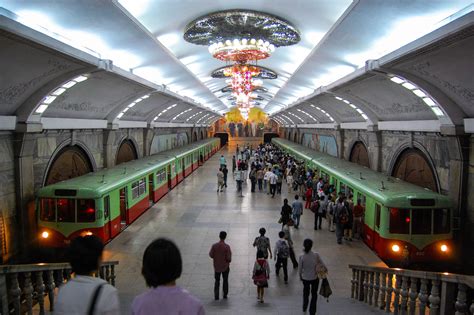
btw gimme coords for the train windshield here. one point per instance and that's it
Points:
(420, 221)
(85, 210)
(66, 210)
(47, 210)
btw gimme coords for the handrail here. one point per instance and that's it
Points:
(29, 284)
(402, 291)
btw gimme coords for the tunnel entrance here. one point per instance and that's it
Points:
(70, 162)
(413, 166)
(359, 154)
(126, 152)
(267, 137)
(223, 136)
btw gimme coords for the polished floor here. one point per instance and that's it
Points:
(193, 214)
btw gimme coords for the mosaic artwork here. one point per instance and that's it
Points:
(167, 142)
(321, 143)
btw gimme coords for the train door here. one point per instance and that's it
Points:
(376, 227)
(123, 207)
(168, 174)
(107, 220)
(183, 169)
(151, 189)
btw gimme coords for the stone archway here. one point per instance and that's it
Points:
(359, 154)
(126, 152)
(69, 162)
(413, 166)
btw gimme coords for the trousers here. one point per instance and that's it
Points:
(225, 284)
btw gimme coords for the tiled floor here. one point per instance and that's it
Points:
(192, 215)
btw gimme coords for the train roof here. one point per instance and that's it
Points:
(96, 184)
(395, 192)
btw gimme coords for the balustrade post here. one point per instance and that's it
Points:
(377, 289)
(461, 300)
(50, 285)
(107, 273)
(434, 298)
(423, 296)
(4, 293)
(404, 294)
(15, 293)
(40, 287)
(357, 284)
(28, 292)
(353, 283)
(371, 287)
(383, 289)
(366, 286)
(413, 295)
(396, 300)
(112, 275)
(389, 291)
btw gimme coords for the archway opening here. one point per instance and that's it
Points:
(195, 136)
(202, 135)
(413, 166)
(295, 137)
(224, 136)
(69, 162)
(267, 137)
(126, 152)
(359, 154)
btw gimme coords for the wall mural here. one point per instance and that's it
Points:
(321, 143)
(236, 125)
(167, 142)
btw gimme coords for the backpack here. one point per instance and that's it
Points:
(343, 215)
(262, 244)
(284, 251)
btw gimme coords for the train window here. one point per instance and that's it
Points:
(377, 215)
(138, 188)
(66, 210)
(47, 210)
(421, 221)
(400, 221)
(85, 210)
(442, 221)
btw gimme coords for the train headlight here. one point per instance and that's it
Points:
(45, 234)
(87, 233)
(444, 248)
(395, 248)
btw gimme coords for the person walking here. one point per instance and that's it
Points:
(162, 266)
(341, 218)
(289, 181)
(330, 212)
(273, 183)
(220, 180)
(260, 275)
(282, 251)
(234, 164)
(285, 212)
(286, 229)
(260, 179)
(222, 161)
(297, 206)
(253, 178)
(311, 265)
(309, 196)
(225, 171)
(222, 256)
(348, 226)
(238, 179)
(315, 209)
(357, 228)
(263, 243)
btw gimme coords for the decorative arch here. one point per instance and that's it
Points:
(415, 166)
(69, 161)
(359, 154)
(126, 152)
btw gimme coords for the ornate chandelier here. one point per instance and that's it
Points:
(242, 77)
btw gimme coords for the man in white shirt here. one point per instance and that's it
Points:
(272, 179)
(84, 292)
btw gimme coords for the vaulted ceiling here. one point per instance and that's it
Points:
(140, 71)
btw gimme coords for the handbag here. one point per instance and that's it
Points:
(325, 290)
(290, 222)
(280, 220)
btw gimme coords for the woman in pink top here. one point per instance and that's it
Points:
(162, 265)
(261, 274)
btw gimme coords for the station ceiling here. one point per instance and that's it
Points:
(341, 72)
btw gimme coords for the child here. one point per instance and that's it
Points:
(260, 275)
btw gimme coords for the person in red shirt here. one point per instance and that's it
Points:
(358, 213)
(222, 256)
(308, 195)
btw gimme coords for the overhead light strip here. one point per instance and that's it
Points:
(357, 109)
(164, 111)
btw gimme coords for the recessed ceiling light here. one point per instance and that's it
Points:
(41, 108)
(397, 80)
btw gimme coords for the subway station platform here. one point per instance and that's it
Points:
(193, 214)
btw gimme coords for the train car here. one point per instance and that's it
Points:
(404, 223)
(105, 202)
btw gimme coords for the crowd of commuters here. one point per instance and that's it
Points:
(266, 167)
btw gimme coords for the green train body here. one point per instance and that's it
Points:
(402, 222)
(105, 202)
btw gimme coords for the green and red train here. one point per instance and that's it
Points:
(403, 222)
(105, 202)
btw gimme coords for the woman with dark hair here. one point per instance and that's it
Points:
(311, 265)
(85, 294)
(260, 275)
(263, 243)
(285, 212)
(162, 265)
